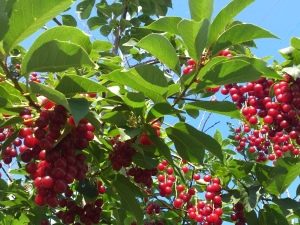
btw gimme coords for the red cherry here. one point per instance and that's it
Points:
(207, 178)
(185, 169)
(196, 177)
(30, 141)
(47, 182)
(178, 203)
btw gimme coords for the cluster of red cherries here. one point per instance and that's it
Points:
(208, 211)
(271, 110)
(238, 216)
(87, 214)
(10, 151)
(54, 159)
(142, 176)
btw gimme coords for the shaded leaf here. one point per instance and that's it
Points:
(73, 84)
(79, 108)
(57, 56)
(190, 143)
(128, 194)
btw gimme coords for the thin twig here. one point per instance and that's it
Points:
(206, 120)
(8, 176)
(57, 22)
(119, 30)
(212, 126)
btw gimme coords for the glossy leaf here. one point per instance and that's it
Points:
(228, 72)
(194, 35)
(190, 143)
(27, 16)
(56, 56)
(240, 33)
(73, 84)
(147, 79)
(225, 17)
(161, 48)
(61, 34)
(224, 108)
(201, 9)
(165, 24)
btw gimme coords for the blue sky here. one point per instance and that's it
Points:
(278, 16)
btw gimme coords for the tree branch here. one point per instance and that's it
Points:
(18, 87)
(8, 176)
(119, 30)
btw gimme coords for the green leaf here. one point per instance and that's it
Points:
(239, 169)
(85, 8)
(295, 42)
(102, 45)
(201, 9)
(190, 143)
(61, 34)
(27, 16)
(251, 218)
(79, 108)
(73, 84)
(228, 72)
(224, 108)
(225, 17)
(194, 35)
(161, 109)
(11, 121)
(56, 56)
(161, 48)
(105, 30)
(277, 179)
(128, 194)
(69, 20)
(240, 33)
(134, 100)
(272, 213)
(87, 189)
(165, 24)
(146, 79)
(96, 22)
(261, 66)
(50, 93)
(287, 205)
